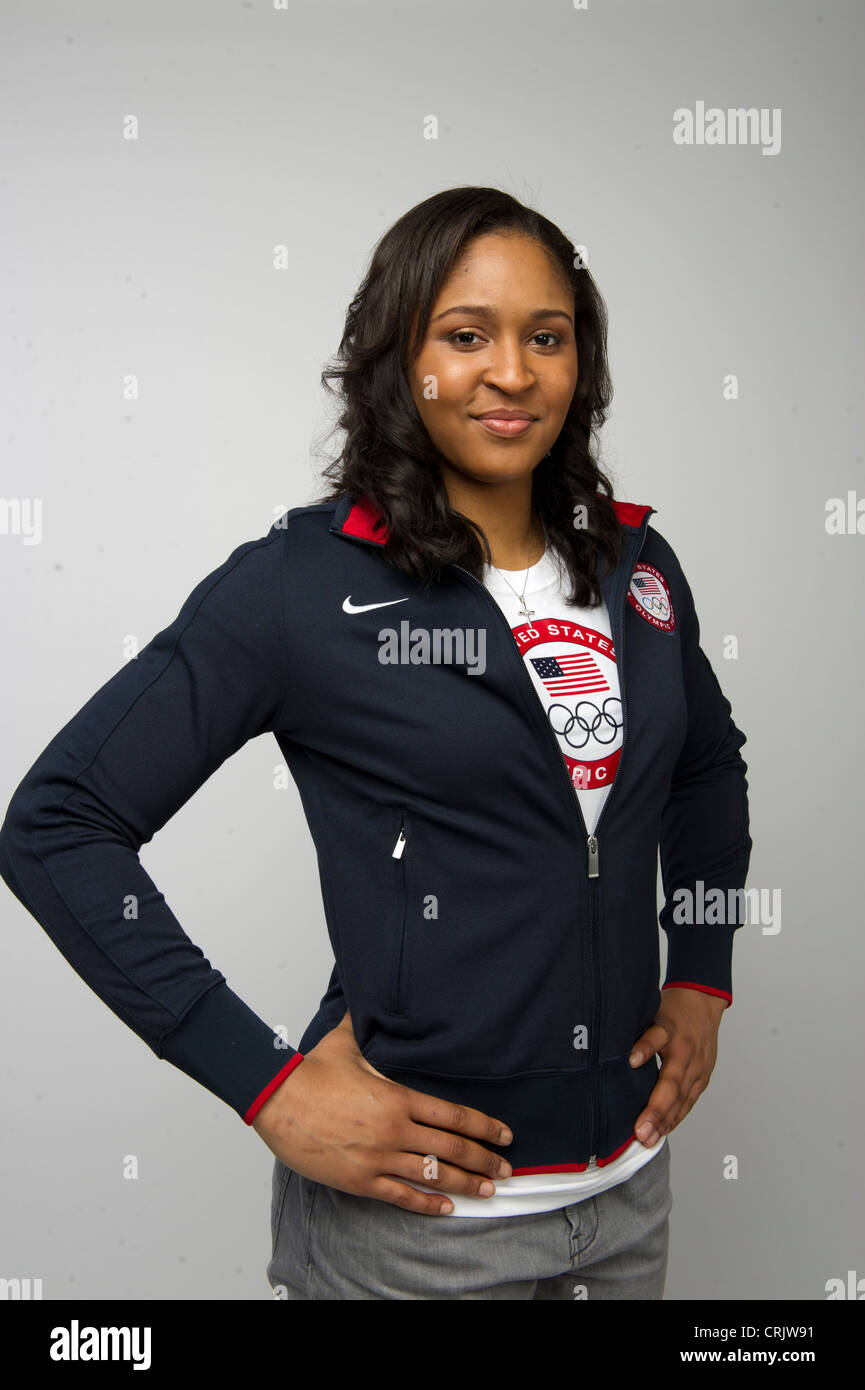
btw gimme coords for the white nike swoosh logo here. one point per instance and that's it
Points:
(349, 607)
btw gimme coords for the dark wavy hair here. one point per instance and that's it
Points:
(387, 454)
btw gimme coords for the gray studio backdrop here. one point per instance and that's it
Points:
(153, 158)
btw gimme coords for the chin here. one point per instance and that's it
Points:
(496, 471)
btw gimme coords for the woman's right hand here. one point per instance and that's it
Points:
(337, 1120)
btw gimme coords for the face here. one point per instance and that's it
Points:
(512, 351)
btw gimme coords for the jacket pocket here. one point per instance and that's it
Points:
(397, 984)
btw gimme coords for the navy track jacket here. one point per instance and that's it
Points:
(489, 951)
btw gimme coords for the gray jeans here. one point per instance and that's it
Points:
(328, 1244)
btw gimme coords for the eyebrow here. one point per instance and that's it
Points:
(488, 312)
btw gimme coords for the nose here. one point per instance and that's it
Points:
(508, 366)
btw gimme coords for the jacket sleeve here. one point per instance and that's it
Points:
(705, 842)
(112, 777)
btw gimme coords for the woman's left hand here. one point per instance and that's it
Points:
(684, 1033)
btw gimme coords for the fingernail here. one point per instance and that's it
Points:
(505, 1137)
(635, 1057)
(486, 1189)
(644, 1130)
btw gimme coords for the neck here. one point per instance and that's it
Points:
(505, 515)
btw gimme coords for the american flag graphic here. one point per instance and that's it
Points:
(647, 584)
(569, 675)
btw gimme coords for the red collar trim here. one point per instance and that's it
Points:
(362, 520)
(366, 521)
(630, 513)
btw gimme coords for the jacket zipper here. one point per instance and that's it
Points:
(592, 858)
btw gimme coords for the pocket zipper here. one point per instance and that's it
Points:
(397, 1006)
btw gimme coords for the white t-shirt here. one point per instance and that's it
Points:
(570, 657)
(569, 654)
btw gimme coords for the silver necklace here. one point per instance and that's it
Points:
(524, 608)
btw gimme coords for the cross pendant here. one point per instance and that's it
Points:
(526, 611)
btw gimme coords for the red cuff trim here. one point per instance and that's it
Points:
(271, 1087)
(705, 989)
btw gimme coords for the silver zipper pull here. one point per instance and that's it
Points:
(593, 1161)
(399, 846)
(593, 856)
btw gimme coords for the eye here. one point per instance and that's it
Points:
(463, 333)
(546, 333)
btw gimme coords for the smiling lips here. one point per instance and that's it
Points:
(506, 422)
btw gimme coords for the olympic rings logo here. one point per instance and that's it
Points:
(649, 595)
(608, 719)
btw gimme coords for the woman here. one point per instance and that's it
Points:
(464, 625)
